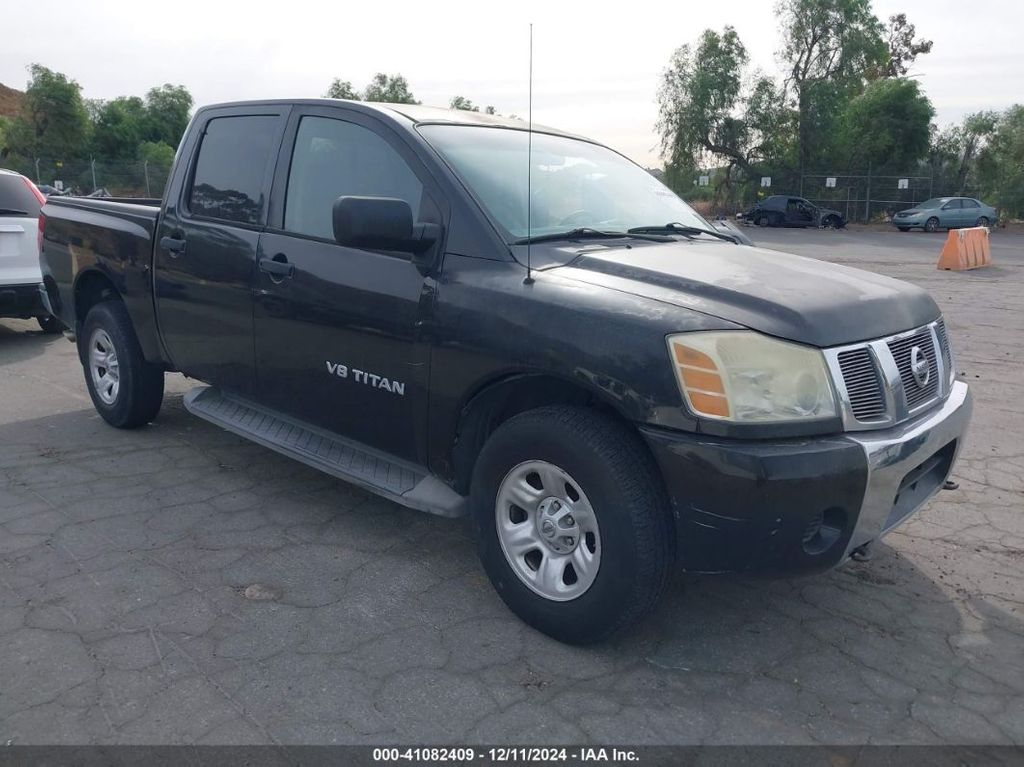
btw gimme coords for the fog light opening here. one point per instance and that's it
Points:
(822, 532)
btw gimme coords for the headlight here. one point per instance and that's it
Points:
(745, 377)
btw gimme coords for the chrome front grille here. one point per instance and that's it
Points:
(863, 386)
(875, 380)
(902, 349)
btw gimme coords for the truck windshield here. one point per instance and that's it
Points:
(575, 184)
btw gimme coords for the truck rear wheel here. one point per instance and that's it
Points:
(125, 389)
(573, 524)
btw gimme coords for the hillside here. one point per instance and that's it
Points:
(10, 101)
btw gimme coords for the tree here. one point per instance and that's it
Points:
(53, 122)
(391, 89)
(903, 48)
(887, 125)
(489, 110)
(167, 113)
(1001, 163)
(341, 89)
(461, 102)
(119, 128)
(708, 109)
(829, 48)
(156, 153)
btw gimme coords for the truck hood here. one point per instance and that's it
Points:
(791, 297)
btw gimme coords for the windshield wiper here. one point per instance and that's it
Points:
(585, 233)
(12, 212)
(674, 227)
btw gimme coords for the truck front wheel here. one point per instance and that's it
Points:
(125, 389)
(573, 525)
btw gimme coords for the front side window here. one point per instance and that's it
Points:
(574, 183)
(952, 205)
(231, 168)
(334, 158)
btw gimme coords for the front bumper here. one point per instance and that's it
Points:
(803, 505)
(21, 301)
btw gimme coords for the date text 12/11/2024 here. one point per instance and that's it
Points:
(435, 754)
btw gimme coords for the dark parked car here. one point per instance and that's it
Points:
(611, 390)
(784, 210)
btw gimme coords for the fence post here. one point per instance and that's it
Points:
(867, 201)
(145, 171)
(92, 164)
(38, 179)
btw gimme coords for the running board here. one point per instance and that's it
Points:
(385, 475)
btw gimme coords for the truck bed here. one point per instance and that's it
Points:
(106, 238)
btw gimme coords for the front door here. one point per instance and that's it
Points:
(952, 214)
(339, 339)
(206, 246)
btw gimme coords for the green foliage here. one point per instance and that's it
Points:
(711, 110)
(953, 155)
(5, 125)
(830, 47)
(461, 102)
(341, 89)
(886, 125)
(156, 153)
(390, 89)
(54, 121)
(903, 48)
(1001, 163)
(120, 128)
(167, 113)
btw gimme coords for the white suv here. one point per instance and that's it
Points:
(20, 202)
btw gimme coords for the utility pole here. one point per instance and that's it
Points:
(145, 171)
(92, 164)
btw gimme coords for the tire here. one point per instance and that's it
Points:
(50, 324)
(762, 220)
(831, 222)
(598, 464)
(131, 396)
(982, 221)
(931, 225)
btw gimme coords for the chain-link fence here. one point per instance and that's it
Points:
(114, 178)
(858, 196)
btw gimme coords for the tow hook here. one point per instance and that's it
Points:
(862, 553)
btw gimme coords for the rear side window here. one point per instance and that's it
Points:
(334, 158)
(231, 168)
(970, 203)
(16, 199)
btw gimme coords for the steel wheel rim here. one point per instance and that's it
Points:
(103, 367)
(548, 531)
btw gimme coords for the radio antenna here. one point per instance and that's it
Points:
(529, 166)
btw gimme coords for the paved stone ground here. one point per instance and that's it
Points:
(179, 585)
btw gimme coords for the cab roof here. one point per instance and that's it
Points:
(413, 114)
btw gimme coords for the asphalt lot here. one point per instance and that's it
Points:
(177, 584)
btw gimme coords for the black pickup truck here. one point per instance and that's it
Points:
(611, 387)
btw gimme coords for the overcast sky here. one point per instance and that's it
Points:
(596, 64)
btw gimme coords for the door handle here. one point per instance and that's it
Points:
(173, 245)
(277, 266)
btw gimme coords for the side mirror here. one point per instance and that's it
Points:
(381, 223)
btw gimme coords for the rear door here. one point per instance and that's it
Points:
(339, 342)
(19, 213)
(970, 213)
(206, 245)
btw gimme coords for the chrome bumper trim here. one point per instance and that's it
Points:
(892, 453)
